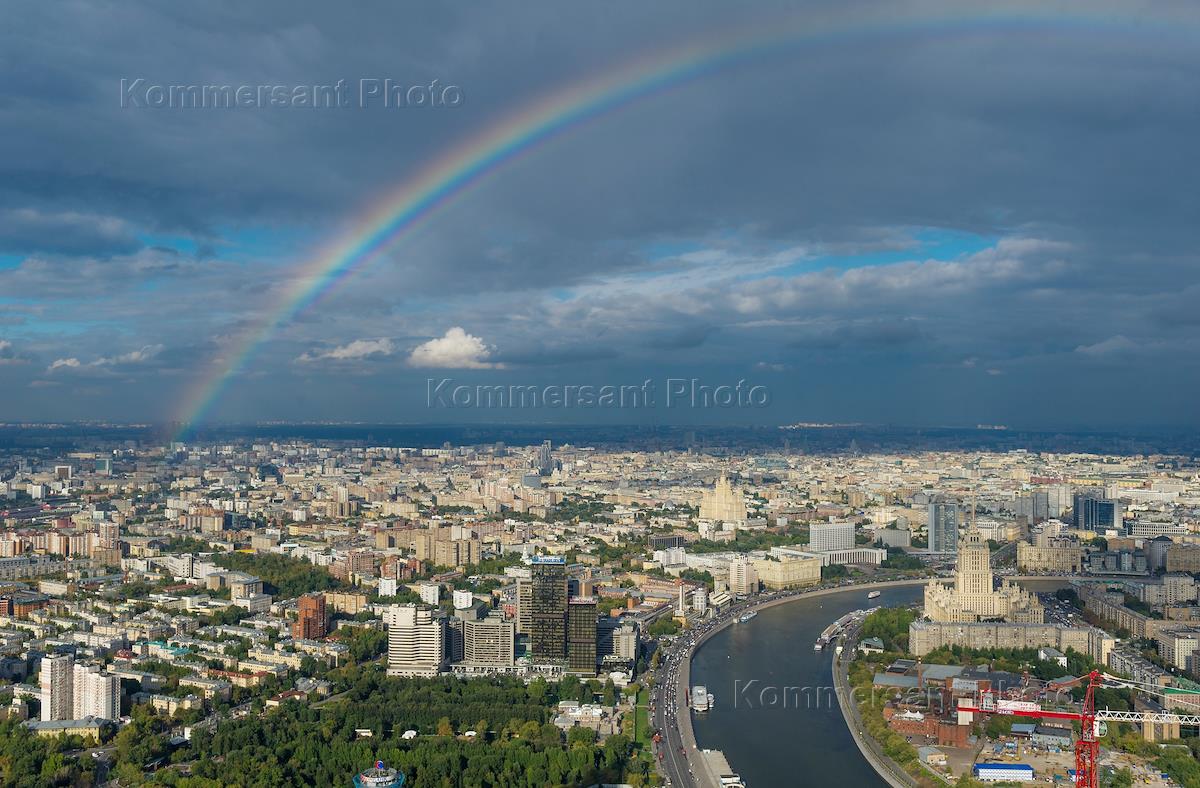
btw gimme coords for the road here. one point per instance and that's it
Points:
(1005, 556)
(677, 753)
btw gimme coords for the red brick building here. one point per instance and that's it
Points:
(312, 622)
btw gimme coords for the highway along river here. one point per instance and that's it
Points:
(772, 731)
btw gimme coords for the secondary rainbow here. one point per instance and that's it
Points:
(468, 165)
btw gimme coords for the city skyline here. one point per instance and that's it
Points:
(858, 210)
(557, 394)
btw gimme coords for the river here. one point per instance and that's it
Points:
(772, 736)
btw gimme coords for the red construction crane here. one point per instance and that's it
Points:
(1087, 748)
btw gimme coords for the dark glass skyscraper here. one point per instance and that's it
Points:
(581, 635)
(1093, 512)
(548, 614)
(943, 527)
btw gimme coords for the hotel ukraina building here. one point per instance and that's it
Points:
(973, 596)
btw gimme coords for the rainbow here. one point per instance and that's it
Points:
(464, 167)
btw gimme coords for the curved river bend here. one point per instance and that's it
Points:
(772, 731)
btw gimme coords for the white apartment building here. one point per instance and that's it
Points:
(743, 578)
(179, 565)
(416, 641)
(96, 694)
(431, 593)
(56, 680)
(672, 556)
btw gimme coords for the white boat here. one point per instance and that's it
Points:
(747, 616)
(873, 595)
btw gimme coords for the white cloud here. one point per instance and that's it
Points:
(8, 354)
(1115, 344)
(359, 348)
(139, 356)
(144, 353)
(456, 350)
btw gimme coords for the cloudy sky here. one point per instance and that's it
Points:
(890, 213)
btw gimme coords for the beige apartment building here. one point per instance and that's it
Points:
(1065, 556)
(790, 572)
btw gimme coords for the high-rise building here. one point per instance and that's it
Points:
(548, 610)
(1058, 499)
(581, 635)
(312, 621)
(57, 683)
(1091, 511)
(455, 640)
(96, 694)
(416, 641)
(724, 502)
(545, 460)
(489, 641)
(743, 578)
(616, 640)
(826, 537)
(524, 606)
(943, 527)
(1035, 506)
(109, 536)
(974, 596)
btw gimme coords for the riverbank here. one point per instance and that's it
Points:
(700, 767)
(888, 769)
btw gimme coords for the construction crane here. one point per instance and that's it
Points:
(1092, 723)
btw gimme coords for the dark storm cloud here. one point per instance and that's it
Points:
(769, 213)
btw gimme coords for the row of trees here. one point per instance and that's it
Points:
(1013, 660)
